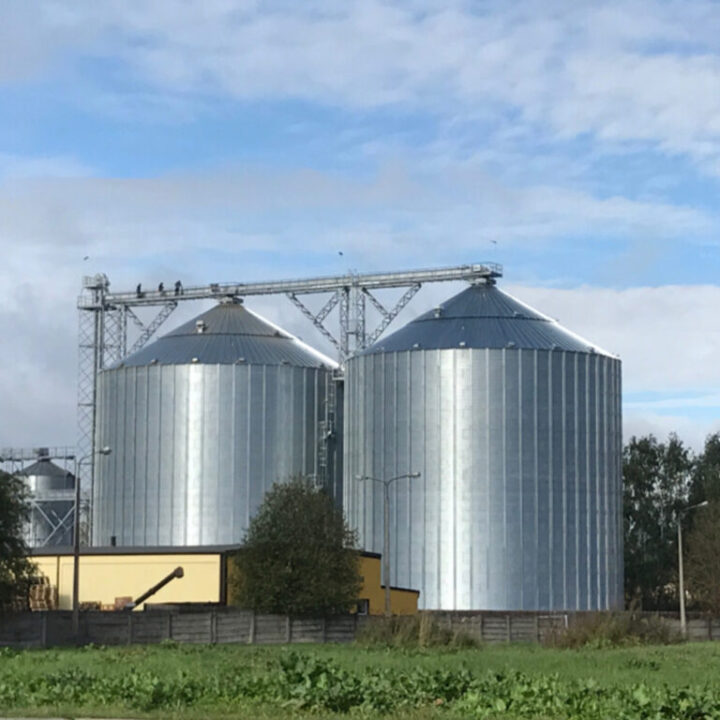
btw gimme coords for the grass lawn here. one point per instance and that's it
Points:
(323, 681)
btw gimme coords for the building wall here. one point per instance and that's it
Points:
(106, 577)
(402, 601)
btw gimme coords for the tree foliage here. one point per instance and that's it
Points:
(706, 475)
(657, 478)
(16, 570)
(299, 555)
(702, 571)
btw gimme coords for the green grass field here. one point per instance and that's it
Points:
(677, 681)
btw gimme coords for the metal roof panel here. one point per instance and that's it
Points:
(228, 334)
(482, 316)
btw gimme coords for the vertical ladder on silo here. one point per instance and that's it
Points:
(326, 432)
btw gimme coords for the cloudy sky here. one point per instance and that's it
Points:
(576, 143)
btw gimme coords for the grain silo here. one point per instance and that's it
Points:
(201, 423)
(515, 426)
(52, 518)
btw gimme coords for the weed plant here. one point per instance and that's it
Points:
(606, 630)
(193, 681)
(412, 631)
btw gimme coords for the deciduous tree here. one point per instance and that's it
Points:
(702, 559)
(299, 555)
(15, 569)
(656, 482)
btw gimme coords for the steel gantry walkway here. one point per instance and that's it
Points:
(105, 316)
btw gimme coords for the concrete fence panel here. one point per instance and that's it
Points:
(233, 627)
(308, 630)
(192, 628)
(271, 629)
(22, 630)
(229, 625)
(340, 629)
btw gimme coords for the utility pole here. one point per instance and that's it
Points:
(386, 527)
(76, 543)
(681, 579)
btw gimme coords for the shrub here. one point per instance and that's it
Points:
(411, 631)
(608, 629)
(299, 555)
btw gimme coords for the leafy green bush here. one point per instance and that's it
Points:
(601, 630)
(306, 681)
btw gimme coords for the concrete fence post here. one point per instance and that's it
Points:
(508, 627)
(213, 627)
(251, 629)
(288, 629)
(170, 626)
(43, 629)
(130, 628)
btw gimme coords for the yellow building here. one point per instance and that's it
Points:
(402, 600)
(110, 573)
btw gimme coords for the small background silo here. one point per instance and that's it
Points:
(201, 423)
(53, 502)
(515, 425)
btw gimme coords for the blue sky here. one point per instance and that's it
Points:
(576, 143)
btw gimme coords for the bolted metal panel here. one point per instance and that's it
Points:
(202, 423)
(518, 504)
(196, 447)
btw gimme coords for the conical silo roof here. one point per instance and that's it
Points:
(482, 316)
(46, 468)
(229, 333)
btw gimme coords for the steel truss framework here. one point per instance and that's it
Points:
(52, 507)
(103, 321)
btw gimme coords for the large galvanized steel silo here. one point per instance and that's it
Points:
(515, 426)
(201, 423)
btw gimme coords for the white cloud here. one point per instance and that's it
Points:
(634, 71)
(667, 337)
(17, 167)
(691, 431)
(160, 229)
(380, 218)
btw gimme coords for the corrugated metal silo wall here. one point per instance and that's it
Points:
(519, 505)
(195, 448)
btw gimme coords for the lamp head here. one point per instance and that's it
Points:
(104, 450)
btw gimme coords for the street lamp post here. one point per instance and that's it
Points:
(386, 527)
(76, 541)
(681, 579)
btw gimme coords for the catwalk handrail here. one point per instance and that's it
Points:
(370, 281)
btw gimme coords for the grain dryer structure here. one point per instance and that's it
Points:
(515, 426)
(201, 423)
